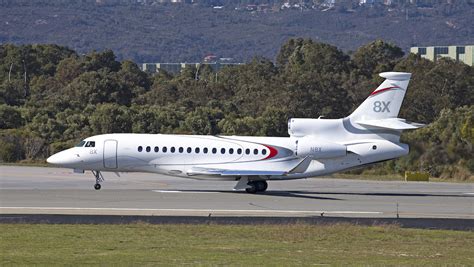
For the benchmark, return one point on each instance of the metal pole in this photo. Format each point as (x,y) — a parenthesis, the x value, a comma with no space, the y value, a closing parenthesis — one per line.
(25,88)
(197,71)
(10,72)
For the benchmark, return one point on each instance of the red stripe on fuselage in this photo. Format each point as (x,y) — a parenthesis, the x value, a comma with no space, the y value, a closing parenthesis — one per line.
(273,152)
(383,90)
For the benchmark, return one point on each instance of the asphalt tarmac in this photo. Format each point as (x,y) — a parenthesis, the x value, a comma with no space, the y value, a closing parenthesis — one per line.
(46,191)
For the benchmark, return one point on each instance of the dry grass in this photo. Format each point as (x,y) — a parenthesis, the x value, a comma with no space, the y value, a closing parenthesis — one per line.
(295,244)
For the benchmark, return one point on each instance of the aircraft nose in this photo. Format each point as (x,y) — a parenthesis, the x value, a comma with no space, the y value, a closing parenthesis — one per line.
(54,159)
(64,158)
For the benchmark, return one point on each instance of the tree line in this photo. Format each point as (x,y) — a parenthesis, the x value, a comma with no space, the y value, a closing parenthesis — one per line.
(51,97)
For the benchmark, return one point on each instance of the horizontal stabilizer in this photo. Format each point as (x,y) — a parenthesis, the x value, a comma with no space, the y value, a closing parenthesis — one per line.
(391,123)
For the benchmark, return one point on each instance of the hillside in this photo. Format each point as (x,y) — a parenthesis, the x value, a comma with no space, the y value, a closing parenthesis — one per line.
(172,33)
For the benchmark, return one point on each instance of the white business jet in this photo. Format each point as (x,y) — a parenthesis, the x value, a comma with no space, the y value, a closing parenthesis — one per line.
(315,147)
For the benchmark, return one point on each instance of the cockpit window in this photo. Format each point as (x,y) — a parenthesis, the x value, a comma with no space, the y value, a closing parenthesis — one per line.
(90,144)
(81,144)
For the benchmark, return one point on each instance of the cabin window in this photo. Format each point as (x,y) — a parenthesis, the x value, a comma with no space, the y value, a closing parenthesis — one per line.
(239,151)
(205,150)
(231,151)
(222,150)
(264,151)
(214,150)
(173,149)
(140,149)
(197,150)
(157,149)
(80,144)
(181,149)
(255,151)
(148,149)
(164,149)
(247,151)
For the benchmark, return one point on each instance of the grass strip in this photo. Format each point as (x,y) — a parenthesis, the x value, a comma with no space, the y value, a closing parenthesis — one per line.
(292,244)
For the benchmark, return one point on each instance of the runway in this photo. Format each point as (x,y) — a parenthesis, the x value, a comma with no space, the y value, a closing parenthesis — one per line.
(36,190)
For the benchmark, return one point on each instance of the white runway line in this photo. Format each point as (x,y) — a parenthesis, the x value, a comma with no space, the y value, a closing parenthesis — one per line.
(190,210)
(182,192)
(166,191)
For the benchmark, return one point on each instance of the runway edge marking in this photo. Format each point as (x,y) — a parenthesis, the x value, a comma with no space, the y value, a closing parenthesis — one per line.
(192,210)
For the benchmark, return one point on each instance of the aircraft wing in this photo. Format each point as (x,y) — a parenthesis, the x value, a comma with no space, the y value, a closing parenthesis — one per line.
(225,172)
(245,170)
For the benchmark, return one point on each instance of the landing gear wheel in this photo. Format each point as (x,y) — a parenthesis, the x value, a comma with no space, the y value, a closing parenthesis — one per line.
(252,189)
(98,179)
(262,187)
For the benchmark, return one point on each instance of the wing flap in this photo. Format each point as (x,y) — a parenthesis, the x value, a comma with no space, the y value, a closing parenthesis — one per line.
(270,170)
(224,172)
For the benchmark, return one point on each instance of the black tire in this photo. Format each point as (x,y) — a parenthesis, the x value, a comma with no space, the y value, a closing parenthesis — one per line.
(261,186)
(265,186)
(97,186)
(252,189)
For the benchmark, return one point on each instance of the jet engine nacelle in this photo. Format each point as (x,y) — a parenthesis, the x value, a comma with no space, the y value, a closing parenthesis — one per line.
(318,149)
(301,127)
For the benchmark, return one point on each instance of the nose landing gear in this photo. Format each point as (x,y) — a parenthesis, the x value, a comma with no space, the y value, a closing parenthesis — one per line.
(98,179)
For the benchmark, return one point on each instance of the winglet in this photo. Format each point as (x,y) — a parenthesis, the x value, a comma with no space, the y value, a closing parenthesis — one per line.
(302,166)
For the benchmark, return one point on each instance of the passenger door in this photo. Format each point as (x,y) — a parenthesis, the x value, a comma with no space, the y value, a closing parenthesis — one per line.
(110,154)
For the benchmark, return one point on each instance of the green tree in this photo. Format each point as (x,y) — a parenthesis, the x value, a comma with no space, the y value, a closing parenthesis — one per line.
(203,121)
(435,86)
(146,119)
(11,144)
(376,57)
(96,88)
(13,93)
(69,69)
(111,118)
(132,77)
(10,117)
(96,61)
(274,122)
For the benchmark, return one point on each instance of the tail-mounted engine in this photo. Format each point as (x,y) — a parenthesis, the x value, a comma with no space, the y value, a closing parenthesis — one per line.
(318,149)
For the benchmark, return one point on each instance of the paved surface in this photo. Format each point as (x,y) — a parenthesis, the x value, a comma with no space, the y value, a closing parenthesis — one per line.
(34,190)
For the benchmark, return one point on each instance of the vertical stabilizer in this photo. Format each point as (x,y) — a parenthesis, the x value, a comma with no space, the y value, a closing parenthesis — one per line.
(386,100)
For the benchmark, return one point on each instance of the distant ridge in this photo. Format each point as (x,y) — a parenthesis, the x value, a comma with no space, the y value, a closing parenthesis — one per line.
(184,33)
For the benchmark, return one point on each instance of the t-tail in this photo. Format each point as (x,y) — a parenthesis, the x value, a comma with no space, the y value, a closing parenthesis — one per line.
(381,108)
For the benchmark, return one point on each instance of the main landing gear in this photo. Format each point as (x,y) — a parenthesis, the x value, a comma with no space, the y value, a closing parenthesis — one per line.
(256,186)
(98,179)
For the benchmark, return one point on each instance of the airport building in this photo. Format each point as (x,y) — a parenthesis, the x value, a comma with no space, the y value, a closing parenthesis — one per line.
(459,53)
(174,68)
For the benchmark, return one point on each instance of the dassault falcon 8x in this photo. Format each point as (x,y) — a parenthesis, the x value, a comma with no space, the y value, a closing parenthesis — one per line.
(315,147)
